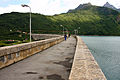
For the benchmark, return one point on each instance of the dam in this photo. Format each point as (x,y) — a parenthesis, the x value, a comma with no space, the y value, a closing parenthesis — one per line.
(48,60)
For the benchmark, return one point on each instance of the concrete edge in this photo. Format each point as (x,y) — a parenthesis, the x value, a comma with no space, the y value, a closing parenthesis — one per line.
(84,65)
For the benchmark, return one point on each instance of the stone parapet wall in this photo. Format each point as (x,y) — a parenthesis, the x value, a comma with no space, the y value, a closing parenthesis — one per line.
(44,36)
(84,65)
(12,54)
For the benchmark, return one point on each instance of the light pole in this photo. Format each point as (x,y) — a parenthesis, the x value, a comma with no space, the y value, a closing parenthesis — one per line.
(63,28)
(23,5)
(75,31)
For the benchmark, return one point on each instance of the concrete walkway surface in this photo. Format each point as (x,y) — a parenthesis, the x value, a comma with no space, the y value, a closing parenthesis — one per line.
(53,63)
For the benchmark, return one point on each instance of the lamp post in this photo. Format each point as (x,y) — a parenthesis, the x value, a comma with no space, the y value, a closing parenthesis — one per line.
(63,28)
(75,31)
(23,5)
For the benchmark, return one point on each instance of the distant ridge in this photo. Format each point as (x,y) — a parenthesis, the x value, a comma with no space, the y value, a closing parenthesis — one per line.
(108,5)
(81,6)
(118,10)
(87,5)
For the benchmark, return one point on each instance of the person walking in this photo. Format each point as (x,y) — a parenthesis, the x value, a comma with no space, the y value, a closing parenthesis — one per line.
(65,36)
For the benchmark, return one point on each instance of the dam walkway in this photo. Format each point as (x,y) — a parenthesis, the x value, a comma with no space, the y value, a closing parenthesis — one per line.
(53,63)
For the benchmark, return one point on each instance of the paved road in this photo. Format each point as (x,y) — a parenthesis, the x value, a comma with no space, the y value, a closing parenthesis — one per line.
(51,64)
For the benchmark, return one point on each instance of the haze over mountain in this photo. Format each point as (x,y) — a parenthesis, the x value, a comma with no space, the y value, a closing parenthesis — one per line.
(108,5)
(81,6)
(118,10)
(92,20)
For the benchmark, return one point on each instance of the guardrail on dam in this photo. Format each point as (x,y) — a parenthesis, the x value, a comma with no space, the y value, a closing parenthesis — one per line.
(84,65)
(12,54)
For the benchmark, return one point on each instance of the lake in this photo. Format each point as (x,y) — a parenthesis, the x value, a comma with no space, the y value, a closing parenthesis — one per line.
(106,51)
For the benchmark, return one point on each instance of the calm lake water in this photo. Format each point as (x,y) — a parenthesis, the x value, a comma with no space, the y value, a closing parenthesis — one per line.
(106,51)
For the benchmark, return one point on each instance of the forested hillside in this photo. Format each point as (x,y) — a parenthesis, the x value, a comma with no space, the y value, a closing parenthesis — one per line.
(92,20)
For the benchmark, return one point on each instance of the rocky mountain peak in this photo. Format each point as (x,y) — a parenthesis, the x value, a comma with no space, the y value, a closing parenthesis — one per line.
(108,5)
(81,6)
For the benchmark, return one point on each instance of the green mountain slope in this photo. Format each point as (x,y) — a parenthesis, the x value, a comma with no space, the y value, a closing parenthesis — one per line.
(92,20)
(12,25)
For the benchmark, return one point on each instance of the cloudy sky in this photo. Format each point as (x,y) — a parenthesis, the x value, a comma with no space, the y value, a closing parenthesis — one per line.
(49,7)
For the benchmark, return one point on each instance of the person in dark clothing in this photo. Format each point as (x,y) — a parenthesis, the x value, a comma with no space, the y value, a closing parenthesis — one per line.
(65,36)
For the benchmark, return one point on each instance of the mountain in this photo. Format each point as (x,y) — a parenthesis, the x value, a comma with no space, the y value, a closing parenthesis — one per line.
(108,5)
(13,25)
(92,20)
(81,6)
(118,10)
